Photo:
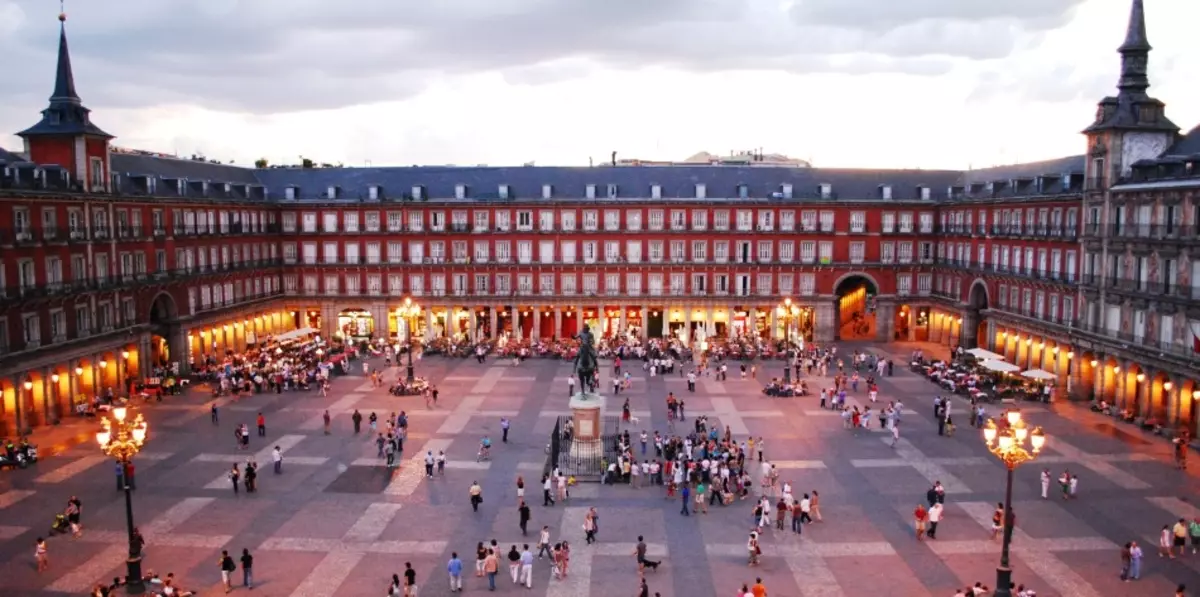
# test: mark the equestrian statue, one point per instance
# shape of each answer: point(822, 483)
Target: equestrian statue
point(586, 362)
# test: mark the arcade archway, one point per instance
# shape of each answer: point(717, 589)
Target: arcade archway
point(165, 341)
point(356, 324)
point(855, 307)
point(973, 325)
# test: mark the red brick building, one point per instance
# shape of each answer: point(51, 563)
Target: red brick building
point(113, 260)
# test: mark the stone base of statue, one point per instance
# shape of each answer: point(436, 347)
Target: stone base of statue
point(587, 413)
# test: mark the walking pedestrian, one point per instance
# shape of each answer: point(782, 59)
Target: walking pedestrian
point(227, 567)
point(327, 420)
point(526, 577)
point(547, 487)
point(589, 528)
point(935, 516)
point(429, 464)
point(684, 496)
point(454, 568)
point(1045, 483)
point(247, 569)
point(42, 554)
point(215, 418)
point(504, 425)
point(476, 495)
point(491, 565)
point(357, 418)
point(523, 517)
point(514, 564)
point(262, 425)
point(920, 515)
point(277, 458)
point(544, 543)
point(234, 477)
point(410, 580)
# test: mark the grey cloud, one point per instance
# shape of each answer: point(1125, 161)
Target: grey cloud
point(266, 56)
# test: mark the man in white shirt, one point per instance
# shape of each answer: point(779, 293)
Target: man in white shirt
point(935, 516)
point(277, 457)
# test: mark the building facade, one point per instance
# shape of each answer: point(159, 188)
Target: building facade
point(112, 262)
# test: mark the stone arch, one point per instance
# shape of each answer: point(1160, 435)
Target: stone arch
point(1158, 396)
point(163, 310)
point(166, 340)
point(855, 320)
point(978, 300)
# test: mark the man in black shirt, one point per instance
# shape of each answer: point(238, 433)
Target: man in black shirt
point(523, 510)
point(410, 578)
point(247, 565)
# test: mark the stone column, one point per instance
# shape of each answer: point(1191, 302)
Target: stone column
point(826, 327)
point(885, 321)
point(557, 323)
point(666, 320)
point(492, 321)
point(773, 325)
point(991, 339)
point(474, 323)
point(710, 326)
point(1172, 398)
point(428, 323)
point(50, 397)
point(328, 321)
point(624, 323)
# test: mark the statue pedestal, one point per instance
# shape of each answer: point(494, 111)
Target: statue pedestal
point(587, 413)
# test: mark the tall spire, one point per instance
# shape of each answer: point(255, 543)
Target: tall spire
point(1135, 53)
point(66, 114)
point(64, 78)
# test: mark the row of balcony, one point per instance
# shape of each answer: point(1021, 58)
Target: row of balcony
point(437, 261)
point(1154, 287)
point(121, 326)
point(1143, 232)
point(1032, 274)
point(1137, 340)
point(22, 237)
point(1036, 232)
point(558, 294)
point(124, 281)
point(466, 229)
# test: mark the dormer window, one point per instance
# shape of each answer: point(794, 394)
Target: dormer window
point(786, 189)
point(373, 192)
point(418, 192)
point(591, 191)
point(228, 189)
point(743, 191)
point(885, 191)
point(1039, 184)
point(502, 191)
point(332, 192)
point(926, 193)
point(1147, 114)
point(291, 193)
point(460, 191)
point(656, 191)
point(701, 191)
point(612, 191)
point(547, 191)
point(825, 190)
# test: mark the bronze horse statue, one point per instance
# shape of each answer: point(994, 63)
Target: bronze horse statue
point(586, 362)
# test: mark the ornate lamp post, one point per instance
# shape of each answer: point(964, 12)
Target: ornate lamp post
point(789, 312)
point(1007, 442)
point(409, 312)
point(122, 440)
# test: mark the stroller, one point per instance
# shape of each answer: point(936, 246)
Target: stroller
point(60, 526)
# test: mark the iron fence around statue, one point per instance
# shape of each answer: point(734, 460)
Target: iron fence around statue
point(585, 461)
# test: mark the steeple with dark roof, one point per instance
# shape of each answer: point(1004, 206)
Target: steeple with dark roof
point(66, 114)
point(1135, 53)
point(1132, 109)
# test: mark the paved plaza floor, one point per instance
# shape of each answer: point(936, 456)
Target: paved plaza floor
point(337, 523)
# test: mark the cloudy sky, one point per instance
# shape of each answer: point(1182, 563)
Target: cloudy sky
point(870, 83)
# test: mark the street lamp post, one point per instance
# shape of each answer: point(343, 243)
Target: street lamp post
point(1007, 442)
point(409, 311)
point(122, 440)
point(789, 312)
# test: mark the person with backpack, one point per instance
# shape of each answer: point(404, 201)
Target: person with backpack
point(227, 568)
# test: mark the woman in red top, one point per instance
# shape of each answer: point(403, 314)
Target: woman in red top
point(920, 515)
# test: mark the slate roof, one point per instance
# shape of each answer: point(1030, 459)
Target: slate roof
point(1187, 145)
point(9, 157)
point(129, 165)
point(675, 182)
point(1056, 167)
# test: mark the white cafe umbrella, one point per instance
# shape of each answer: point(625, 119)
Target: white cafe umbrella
point(985, 354)
point(1039, 375)
point(999, 366)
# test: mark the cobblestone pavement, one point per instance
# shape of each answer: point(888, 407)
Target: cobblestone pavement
point(336, 523)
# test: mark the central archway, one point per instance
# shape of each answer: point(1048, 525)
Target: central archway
point(974, 325)
point(165, 339)
point(855, 306)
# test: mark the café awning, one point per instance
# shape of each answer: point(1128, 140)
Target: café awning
point(985, 354)
point(1039, 375)
point(294, 334)
point(999, 366)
